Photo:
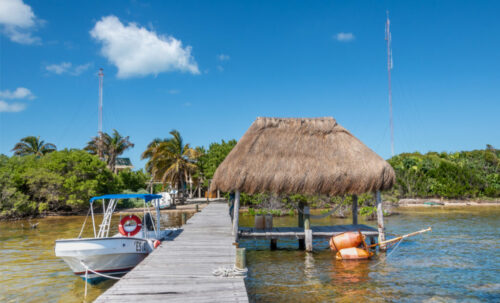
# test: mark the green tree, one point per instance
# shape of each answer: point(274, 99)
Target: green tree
point(170, 160)
point(60, 181)
point(111, 146)
point(32, 145)
point(211, 159)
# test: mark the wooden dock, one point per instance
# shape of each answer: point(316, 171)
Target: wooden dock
point(298, 232)
point(181, 270)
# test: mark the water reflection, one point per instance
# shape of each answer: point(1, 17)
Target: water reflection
point(459, 261)
point(30, 270)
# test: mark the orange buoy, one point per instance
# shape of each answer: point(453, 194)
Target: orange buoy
point(346, 240)
point(353, 253)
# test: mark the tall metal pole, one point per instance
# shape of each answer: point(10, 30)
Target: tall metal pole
point(389, 68)
point(99, 126)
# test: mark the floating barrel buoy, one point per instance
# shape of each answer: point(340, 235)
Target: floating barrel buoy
point(353, 253)
point(346, 240)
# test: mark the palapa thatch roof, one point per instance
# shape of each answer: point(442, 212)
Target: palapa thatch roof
point(302, 156)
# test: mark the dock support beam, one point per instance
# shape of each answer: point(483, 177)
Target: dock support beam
point(274, 244)
point(307, 230)
point(301, 224)
point(380, 221)
point(236, 215)
point(354, 210)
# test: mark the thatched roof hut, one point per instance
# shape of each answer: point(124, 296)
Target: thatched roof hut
point(302, 155)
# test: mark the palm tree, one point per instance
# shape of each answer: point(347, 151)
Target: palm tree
point(32, 145)
point(170, 160)
point(112, 146)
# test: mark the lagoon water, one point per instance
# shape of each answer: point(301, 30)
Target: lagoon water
point(459, 261)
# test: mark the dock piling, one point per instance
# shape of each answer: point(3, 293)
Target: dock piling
point(241, 262)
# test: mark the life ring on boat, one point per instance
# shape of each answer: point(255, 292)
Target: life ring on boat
point(138, 225)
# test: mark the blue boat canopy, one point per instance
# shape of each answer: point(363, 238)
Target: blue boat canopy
point(145, 197)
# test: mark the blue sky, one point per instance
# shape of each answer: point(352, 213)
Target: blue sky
point(209, 68)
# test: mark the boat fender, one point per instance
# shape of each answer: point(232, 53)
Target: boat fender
point(157, 243)
point(125, 219)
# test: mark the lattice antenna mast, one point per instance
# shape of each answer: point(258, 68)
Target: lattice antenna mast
point(388, 38)
point(99, 126)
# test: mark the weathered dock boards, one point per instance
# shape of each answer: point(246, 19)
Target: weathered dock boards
point(181, 270)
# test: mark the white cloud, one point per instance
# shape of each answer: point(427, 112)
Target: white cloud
point(19, 93)
point(220, 68)
point(17, 21)
point(137, 51)
point(344, 37)
point(223, 57)
point(67, 68)
point(11, 108)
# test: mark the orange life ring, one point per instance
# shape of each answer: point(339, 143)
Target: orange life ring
point(138, 225)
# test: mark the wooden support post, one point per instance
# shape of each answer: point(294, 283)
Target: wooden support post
point(307, 218)
point(274, 244)
point(218, 194)
point(354, 210)
point(236, 215)
point(183, 218)
point(380, 221)
point(241, 261)
point(197, 208)
point(301, 224)
point(199, 190)
point(307, 230)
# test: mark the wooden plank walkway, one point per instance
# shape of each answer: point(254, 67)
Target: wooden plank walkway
point(181, 270)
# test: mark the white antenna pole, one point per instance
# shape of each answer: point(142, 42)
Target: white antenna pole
point(389, 67)
point(99, 126)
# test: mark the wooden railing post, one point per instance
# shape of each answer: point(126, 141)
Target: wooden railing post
point(354, 209)
point(301, 224)
point(307, 230)
point(236, 215)
point(380, 221)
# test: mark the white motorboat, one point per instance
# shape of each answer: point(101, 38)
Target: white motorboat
point(165, 201)
point(95, 259)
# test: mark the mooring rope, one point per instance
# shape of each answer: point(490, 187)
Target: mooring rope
point(230, 272)
point(87, 269)
point(388, 255)
point(83, 226)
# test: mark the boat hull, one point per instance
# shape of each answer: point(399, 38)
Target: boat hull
point(113, 256)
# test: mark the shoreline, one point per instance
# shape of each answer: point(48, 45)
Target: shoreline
point(420, 202)
point(189, 206)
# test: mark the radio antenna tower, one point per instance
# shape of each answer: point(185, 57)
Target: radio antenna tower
point(389, 68)
point(99, 126)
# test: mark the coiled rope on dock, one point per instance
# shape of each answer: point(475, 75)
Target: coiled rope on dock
point(230, 272)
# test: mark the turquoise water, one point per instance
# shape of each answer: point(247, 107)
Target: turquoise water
point(459, 261)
